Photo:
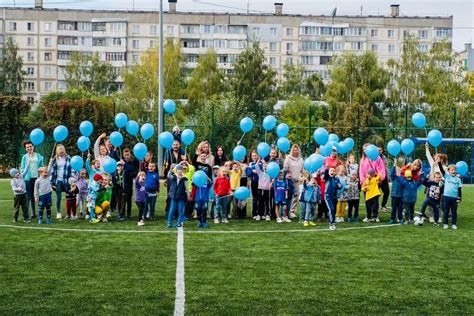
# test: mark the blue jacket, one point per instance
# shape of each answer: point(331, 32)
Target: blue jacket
point(202, 193)
point(177, 190)
point(332, 184)
point(23, 165)
point(397, 188)
point(152, 181)
point(311, 193)
point(410, 189)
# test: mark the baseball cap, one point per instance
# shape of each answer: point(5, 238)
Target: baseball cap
point(97, 177)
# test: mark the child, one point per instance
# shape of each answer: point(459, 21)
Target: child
point(200, 203)
point(290, 189)
point(176, 133)
point(264, 186)
point(42, 195)
point(19, 190)
point(146, 161)
point(410, 190)
point(372, 193)
point(212, 195)
point(323, 208)
point(309, 198)
point(152, 187)
point(332, 185)
point(253, 177)
point(342, 194)
point(81, 183)
point(118, 190)
point(71, 199)
point(351, 164)
point(353, 195)
point(93, 190)
point(188, 171)
point(92, 167)
point(452, 195)
point(280, 189)
point(235, 174)
point(140, 197)
point(130, 171)
point(221, 190)
point(433, 198)
point(104, 196)
point(178, 194)
point(397, 196)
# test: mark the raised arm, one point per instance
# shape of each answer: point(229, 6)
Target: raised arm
point(428, 155)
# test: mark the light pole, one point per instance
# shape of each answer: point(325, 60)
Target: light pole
point(160, 89)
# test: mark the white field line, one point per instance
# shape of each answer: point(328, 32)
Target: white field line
point(180, 289)
point(199, 232)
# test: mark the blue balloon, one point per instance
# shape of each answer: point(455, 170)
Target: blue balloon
point(372, 152)
point(86, 128)
point(140, 150)
point(166, 140)
point(321, 136)
point(263, 150)
point(273, 170)
point(187, 137)
point(393, 147)
point(419, 120)
point(77, 163)
point(199, 178)
point(169, 106)
point(109, 165)
point(132, 128)
point(462, 168)
point(239, 153)
point(37, 136)
point(83, 143)
point(333, 138)
point(407, 146)
point(242, 193)
point(350, 143)
point(121, 120)
point(318, 160)
point(269, 123)
point(283, 144)
point(60, 133)
point(116, 139)
point(334, 145)
point(435, 137)
point(147, 130)
point(342, 148)
point(282, 130)
point(326, 150)
point(246, 124)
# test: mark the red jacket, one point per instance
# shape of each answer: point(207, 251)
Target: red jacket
point(222, 186)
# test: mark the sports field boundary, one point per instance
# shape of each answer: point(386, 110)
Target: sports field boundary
point(180, 288)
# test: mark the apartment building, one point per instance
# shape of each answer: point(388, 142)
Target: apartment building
point(47, 37)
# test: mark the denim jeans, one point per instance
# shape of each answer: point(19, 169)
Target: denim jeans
point(179, 206)
point(450, 205)
point(220, 211)
point(150, 204)
point(60, 188)
point(45, 203)
point(397, 208)
point(30, 188)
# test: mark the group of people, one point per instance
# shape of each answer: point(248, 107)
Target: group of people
point(330, 194)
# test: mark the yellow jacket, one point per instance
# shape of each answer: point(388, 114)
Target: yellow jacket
point(235, 179)
point(371, 188)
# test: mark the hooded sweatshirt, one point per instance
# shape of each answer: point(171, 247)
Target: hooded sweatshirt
point(295, 165)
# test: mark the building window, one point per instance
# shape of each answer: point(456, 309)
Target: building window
point(99, 41)
point(192, 58)
point(374, 48)
point(48, 86)
point(218, 44)
point(207, 43)
point(324, 60)
point(117, 41)
point(169, 29)
point(30, 86)
point(30, 100)
point(326, 31)
point(47, 41)
point(47, 71)
point(314, 45)
point(235, 29)
point(86, 41)
point(289, 47)
point(357, 45)
point(373, 33)
point(356, 31)
point(273, 31)
point(12, 26)
point(273, 47)
point(30, 26)
point(339, 31)
point(272, 60)
point(135, 44)
point(306, 60)
point(98, 27)
point(135, 58)
point(256, 31)
point(117, 26)
point(422, 48)
point(63, 55)
point(115, 56)
point(48, 56)
point(338, 46)
point(192, 43)
point(48, 27)
point(67, 26)
point(207, 28)
point(235, 44)
point(30, 41)
point(391, 48)
point(30, 56)
point(289, 31)
point(189, 29)
point(153, 29)
point(223, 59)
point(443, 32)
point(30, 71)
point(84, 26)
point(289, 60)
point(67, 40)
point(221, 29)
point(391, 33)
point(423, 33)
point(151, 44)
point(136, 29)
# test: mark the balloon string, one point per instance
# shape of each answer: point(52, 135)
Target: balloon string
point(175, 122)
point(265, 136)
point(242, 137)
point(52, 152)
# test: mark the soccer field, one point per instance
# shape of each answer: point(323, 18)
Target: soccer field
point(243, 268)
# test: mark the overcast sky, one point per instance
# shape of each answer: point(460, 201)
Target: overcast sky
point(462, 10)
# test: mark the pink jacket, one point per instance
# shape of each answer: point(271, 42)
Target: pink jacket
point(366, 164)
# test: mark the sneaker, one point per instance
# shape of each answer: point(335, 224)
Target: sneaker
point(454, 227)
point(349, 219)
point(74, 218)
point(109, 215)
point(199, 225)
point(355, 219)
point(225, 221)
point(366, 220)
point(14, 221)
point(121, 218)
point(431, 219)
point(58, 216)
point(286, 220)
point(216, 221)
point(267, 218)
point(87, 217)
point(435, 225)
point(194, 216)
point(279, 220)
point(40, 221)
point(311, 223)
point(49, 221)
point(141, 223)
point(27, 220)
point(229, 216)
point(341, 219)
point(33, 216)
point(95, 221)
point(391, 222)
point(306, 224)
point(104, 220)
point(377, 220)
point(372, 220)
point(292, 215)
point(257, 218)
point(332, 227)
point(205, 225)
point(445, 226)
point(384, 209)
point(66, 217)
point(401, 222)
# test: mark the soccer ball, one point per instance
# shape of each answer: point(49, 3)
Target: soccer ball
point(418, 220)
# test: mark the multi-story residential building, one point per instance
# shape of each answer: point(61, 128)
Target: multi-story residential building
point(47, 37)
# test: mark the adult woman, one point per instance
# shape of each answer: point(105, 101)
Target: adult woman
point(333, 160)
point(220, 157)
point(204, 147)
point(414, 167)
point(60, 170)
point(384, 184)
point(294, 163)
point(366, 164)
point(35, 161)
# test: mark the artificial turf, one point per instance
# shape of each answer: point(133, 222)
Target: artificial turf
point(399, 269)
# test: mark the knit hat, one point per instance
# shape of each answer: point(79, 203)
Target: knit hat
point(97, 177)
point(179, 167)
point(353, 172)
point(13, 172)
point(71, 180)
point(371, 172)
point(408, 174)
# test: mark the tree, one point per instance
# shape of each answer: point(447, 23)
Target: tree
point(253, 84)
point(295, 83)
point(206, 83)
point(11, 74)
point(89, 73)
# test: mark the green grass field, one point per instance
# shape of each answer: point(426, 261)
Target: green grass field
point(241, 268)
